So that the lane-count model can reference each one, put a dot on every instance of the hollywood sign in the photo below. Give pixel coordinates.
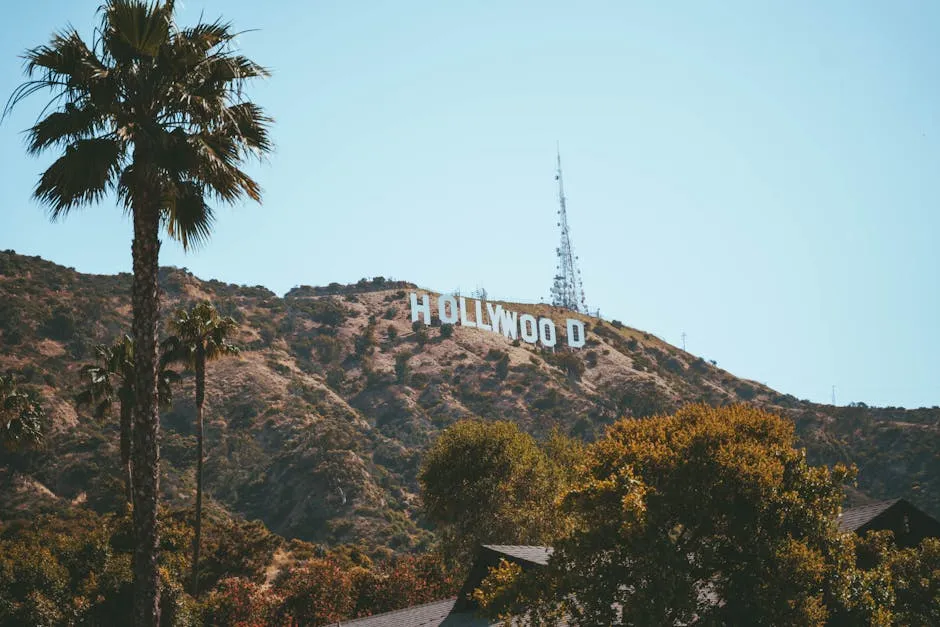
(490, 317)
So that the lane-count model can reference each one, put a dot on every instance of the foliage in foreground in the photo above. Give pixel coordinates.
(156, 114)
(712, 515)
(76, 570)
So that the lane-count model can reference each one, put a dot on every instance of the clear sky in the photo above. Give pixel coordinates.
(762, 176)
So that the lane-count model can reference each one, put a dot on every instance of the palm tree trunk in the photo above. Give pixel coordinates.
(146, 461)
(200, 436)
(127, 412)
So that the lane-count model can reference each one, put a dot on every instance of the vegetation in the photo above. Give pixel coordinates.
(490, 483)
(712, 515)
(111, 378)
(155, 114)
(75, 569)
(199, 336)
(323, 445)
(21, 416)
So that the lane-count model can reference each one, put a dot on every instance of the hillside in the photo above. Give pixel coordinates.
(318, 428)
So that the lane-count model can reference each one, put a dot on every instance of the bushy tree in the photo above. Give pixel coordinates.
(710, 514)
(915, 573)
(239, 602)
(317, 593)
(404, 582)
(488, 482)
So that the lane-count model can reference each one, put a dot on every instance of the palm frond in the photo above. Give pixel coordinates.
(205, 36)
(67, 58)
(66, 126)
(141, 26)
(199, 329)
(109, 379)
(188, 218)
(217, 153)
(145, 83)
(66, 67)
(252, 126)
(82, 175)
(174, 350)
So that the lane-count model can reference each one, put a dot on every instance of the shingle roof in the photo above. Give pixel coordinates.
(855, 517)
(534, 554)
(436, 614)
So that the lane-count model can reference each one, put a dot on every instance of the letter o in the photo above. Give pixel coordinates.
(528, 329)
(442, 303)
(547, 333)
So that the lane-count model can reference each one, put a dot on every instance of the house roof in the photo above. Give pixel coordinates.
(856, 517)
(534, 554)
(436, 614)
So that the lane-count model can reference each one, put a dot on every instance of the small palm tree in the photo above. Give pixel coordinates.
(110, 379)
(196, 337)
(21, 417)
(156, 115)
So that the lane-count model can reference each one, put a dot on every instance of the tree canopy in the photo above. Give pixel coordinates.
(712, 516)
(490, 482)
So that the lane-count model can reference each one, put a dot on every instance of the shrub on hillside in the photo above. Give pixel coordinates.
(502, 366)
(60, 326)
(402, 369)
(421, 332)
(328, 348)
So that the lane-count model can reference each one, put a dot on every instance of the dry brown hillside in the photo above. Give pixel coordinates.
(319, 427)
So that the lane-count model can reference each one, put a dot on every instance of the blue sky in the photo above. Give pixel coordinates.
(762, 176)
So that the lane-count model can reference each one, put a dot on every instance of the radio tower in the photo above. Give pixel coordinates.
(566, 291)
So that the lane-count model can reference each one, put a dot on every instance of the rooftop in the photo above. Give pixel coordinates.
(855, 517)
(436, 614)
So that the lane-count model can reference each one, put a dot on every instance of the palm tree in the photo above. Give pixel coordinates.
(111, 378)
(196, 337)
(155, 114)
(21, 416)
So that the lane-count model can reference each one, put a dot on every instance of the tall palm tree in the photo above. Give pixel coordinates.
(110, 379)
(196, 337)
(155, 114)
(21, 416)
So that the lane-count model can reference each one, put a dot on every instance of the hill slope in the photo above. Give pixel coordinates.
(318, 428)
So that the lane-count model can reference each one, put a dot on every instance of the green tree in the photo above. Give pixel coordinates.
(709, 515)
(110, 379)
(21, 416)
(198, 336)
(916, 577)
(155, 114)
(489, 482)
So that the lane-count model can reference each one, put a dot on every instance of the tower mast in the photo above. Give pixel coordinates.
(567, 291)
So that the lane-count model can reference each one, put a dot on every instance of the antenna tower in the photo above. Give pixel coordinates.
(567, 291)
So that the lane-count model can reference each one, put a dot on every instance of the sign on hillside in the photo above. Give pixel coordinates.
(489, 317)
